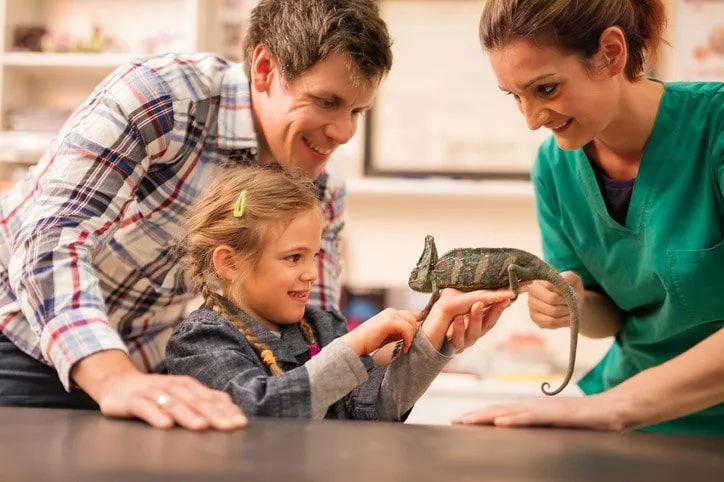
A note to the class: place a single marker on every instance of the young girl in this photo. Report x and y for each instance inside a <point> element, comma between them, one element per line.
<point>630,205</point>
<point>252,243</point>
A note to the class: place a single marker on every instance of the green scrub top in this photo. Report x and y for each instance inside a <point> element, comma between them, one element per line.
<point>665,266</point>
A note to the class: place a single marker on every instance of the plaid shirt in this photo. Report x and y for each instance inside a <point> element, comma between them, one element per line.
<point>86,239</point>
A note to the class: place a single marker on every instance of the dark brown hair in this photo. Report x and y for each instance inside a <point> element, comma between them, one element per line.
<point>300,33</point>
<point>575,26</point>
<point>272,196</point>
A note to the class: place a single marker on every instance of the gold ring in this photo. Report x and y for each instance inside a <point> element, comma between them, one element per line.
<point>162,400</point>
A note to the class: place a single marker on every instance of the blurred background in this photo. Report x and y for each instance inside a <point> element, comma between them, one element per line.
<point>443,152</point>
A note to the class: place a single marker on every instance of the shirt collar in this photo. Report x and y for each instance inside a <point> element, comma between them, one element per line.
<point>235,122</point>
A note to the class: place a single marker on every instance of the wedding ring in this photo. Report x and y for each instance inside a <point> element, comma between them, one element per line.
<point>162,400</point>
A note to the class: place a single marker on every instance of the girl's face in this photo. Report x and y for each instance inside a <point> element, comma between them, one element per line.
<point>555,90</point>
<point>276,290</point>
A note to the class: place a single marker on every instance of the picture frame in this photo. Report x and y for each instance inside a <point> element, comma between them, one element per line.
<point>699,40</point>
<point>440,112</point>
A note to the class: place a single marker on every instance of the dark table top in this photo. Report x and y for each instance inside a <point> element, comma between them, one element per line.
<point>60,445</point>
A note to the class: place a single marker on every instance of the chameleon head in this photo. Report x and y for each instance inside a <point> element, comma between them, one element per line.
<point>420,276</point>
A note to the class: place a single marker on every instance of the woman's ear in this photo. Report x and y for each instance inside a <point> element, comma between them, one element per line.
<point>612,51</point>
<point>262,66</point>
<point>226,262</point>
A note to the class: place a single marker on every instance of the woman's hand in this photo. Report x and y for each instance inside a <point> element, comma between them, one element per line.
<point>547,307</point>
<point>598,412</point>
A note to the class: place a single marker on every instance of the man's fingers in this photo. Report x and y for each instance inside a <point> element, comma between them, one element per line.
<point>216,408</point>
<point>179,404</point>
<point>149,411</point>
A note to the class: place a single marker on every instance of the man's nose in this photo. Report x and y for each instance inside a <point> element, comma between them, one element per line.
<point>342,129</point>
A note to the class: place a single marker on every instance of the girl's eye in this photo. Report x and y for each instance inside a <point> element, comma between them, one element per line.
<point>547,90</point>
<point>294,258</point>
<point>515,96</point>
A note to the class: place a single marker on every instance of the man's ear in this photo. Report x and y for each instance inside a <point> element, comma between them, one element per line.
<point>262,68</point>
<point>612,51</point>
<point>225,262</point>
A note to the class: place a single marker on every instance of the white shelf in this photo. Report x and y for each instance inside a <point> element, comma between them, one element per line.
<point>436,187</point>
<point>451,395</point>
<point>18,147</point>
<point>83,60</point>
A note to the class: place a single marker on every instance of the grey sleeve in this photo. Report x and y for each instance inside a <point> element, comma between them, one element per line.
<point>409,375</point>
<point>333,373</point>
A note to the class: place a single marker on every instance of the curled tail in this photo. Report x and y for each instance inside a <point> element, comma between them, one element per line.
<point>565,289</point>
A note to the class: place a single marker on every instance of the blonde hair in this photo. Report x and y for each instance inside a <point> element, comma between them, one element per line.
<point>272,196</point>
<point>575,26</point>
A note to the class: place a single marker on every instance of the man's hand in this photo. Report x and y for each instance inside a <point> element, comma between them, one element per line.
<point>162,401</point>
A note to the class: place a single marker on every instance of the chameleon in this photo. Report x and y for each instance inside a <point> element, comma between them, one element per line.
<point>470,269</point>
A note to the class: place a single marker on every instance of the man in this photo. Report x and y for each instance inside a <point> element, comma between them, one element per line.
<point>89,282</point>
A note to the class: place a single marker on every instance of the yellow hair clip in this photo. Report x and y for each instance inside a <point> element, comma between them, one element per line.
<point>240,204</point>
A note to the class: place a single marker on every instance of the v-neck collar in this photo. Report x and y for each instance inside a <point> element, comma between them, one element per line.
<point>287,347</point>
<point>645,185</point>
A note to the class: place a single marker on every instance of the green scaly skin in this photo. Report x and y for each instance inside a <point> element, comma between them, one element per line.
<point>470,269</point>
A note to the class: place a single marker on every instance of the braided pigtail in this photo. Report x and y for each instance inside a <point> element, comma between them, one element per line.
<point>308,332</point>
<point>213,301</point>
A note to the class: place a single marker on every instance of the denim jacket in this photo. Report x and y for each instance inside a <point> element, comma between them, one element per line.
<point>336,383</point>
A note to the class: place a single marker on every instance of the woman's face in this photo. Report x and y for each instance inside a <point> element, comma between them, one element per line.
<point>557,91</point>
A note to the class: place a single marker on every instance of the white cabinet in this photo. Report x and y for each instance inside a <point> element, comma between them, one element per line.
<point>39,89</point>
<point>451,395</point>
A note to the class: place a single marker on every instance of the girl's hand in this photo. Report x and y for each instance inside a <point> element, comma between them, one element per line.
<point>385,327</point>
<point>465,330</point>
<point>547,307</point>
<point>464,317</point>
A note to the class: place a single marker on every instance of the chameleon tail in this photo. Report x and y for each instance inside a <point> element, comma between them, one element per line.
<point>565,289</point>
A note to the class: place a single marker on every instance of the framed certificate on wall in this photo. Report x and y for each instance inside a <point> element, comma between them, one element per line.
<point>700,40</point>
<point>440,111</point>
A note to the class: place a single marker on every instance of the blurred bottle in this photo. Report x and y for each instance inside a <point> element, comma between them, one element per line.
<point>521,356</point>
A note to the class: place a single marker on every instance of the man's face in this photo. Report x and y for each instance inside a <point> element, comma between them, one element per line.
<point>302,121</point>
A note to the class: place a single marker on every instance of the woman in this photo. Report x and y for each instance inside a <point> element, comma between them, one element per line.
<point>630,206</point>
